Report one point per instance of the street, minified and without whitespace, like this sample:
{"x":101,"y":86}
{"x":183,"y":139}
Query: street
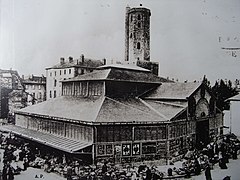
{"x":217,"y":173}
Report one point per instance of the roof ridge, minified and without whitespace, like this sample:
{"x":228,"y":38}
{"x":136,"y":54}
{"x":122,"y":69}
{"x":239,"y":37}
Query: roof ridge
{"x":171,"y":104}
{"x":153,"y":109}
{"x":128,"y":105}
{"x":100,"y":107}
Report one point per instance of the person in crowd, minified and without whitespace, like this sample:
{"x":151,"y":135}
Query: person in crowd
{"x":25,"y":163}
{"x":148,"y":174}
{"x":104,"y":167}
{"x":197,"y":168}
{"x":222,"y":162}
{"x":208,"y":172}
{"x":69,"y":172}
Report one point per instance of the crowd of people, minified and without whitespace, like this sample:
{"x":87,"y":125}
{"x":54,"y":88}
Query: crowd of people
{"x":18,"y":156}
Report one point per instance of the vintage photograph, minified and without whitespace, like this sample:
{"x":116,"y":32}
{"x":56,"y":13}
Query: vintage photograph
{"x":119,"y":90}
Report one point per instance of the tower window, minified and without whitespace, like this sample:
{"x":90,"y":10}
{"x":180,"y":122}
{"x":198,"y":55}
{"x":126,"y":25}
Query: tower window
{"x":131,"y":35}
{"x":139,"y":24}
{"x":139,"y":17}
{"x":138,"y":45}
{"x":131,"y":18}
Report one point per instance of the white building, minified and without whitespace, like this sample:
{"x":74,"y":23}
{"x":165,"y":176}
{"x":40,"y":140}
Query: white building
{"x":35,"y":87}
{"x":66,"y":70}
{"x":232,"y":118}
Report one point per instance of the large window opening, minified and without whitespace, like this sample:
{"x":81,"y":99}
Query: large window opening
{"x":138,"y":45}
{"x":139,"y":25}
{"x":139,"y":17}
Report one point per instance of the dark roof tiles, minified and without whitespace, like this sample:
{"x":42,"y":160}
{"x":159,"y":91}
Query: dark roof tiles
{"x":173,"y":91}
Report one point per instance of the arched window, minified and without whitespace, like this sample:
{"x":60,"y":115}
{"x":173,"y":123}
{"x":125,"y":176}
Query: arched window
{"x":139,"y":17}
{"x":138,"y":45}
{"x":139,"y":25}
{"x":131,"y":35}
{"x":202,"y":107}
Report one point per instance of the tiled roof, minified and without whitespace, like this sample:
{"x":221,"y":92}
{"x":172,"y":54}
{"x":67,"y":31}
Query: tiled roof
{"x":65,"y":144}
{"x":116,"y":111}
{"x":75,"y":108}
{"x":168,"y":110}
{"x":121,"y":66}
{"x":173,"y":91}
{"x":88,"y":63}
{"x":119,"y":74}
{"x":95,"y":75}
{"x":104,"y":110}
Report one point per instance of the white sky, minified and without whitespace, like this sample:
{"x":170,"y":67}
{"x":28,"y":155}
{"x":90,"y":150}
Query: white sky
{"x":34,"y":34}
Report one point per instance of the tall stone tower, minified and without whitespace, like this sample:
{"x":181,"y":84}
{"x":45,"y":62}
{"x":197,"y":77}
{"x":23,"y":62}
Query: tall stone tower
{"x":137,"y":35}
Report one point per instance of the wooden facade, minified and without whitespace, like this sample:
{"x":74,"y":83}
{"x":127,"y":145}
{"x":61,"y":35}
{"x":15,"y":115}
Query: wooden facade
{"x":153,"y":128}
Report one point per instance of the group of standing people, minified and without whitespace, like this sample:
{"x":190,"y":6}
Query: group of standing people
{"x":13,"y":152}
{"x":195,"y":161}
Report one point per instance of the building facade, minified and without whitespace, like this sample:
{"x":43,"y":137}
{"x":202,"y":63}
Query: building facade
{"x":232,"y":116}
{"x":124,"y":115}
{"x":67,"y":69}
{"x":35,"y":88}
{"x":12,"y":94}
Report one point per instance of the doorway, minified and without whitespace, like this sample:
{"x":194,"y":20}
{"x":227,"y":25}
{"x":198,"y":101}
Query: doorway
{"x":202,"y":133}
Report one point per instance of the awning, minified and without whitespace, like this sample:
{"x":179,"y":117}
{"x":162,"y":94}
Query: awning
{"x":61,"y":143}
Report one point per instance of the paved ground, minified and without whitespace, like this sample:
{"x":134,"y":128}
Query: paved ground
{"x":35,"y":174}
{"x":32,"y":173}
{"x":217,"y":173}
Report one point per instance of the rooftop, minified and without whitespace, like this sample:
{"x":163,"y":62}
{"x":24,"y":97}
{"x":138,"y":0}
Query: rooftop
{"x":173,"y":91}
{"x":87,"y":63}
{"x":120,"y":73}
{"x":104,"y":110}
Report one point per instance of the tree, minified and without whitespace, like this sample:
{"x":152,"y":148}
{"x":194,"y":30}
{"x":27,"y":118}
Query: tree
{"x":223,"y":91}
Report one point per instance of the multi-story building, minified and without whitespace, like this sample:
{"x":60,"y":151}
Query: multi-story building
{"x":35,"y":88}
{"x":12,"y":95}
{"x":67,"y":69}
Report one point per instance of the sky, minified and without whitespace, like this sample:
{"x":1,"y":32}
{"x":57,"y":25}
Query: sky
{"x":187,"y":36}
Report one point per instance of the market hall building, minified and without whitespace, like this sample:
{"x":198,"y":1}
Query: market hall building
{"x":122,"y":114}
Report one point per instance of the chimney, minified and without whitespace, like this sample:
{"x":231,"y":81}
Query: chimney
{"x":104,"y":61}
{"x":22,"y":76}
{"x":70,"y":59}
{"x":62,"y":61}
{"x":82,"y":58}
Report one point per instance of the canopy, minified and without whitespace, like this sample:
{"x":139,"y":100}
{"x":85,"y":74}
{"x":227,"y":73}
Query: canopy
{"x":61,"y":143}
